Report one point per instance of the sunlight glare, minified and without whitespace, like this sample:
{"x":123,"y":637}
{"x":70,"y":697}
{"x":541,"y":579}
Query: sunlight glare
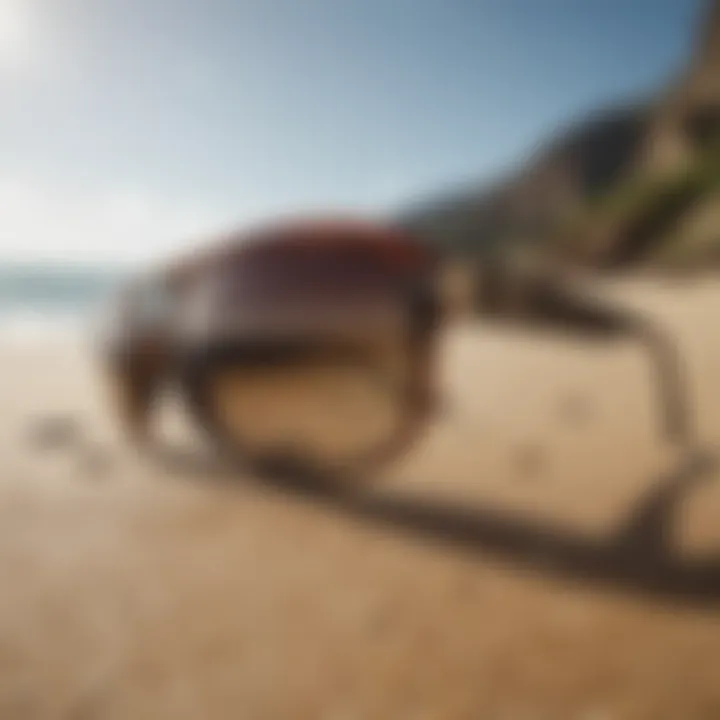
{"x":15,"y":34}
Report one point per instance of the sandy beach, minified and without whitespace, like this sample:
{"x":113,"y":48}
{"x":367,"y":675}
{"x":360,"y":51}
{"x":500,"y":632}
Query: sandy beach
{"x":544,"y":553}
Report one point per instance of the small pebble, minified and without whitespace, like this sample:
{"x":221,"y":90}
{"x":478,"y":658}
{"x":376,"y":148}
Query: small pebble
{"x":530,"y":459}
{"x":576,"y":408}
{"x":51,"y":433}
{"x":96,"y":461}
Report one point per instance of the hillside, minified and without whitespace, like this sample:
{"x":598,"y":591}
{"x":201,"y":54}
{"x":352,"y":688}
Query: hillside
{"x":619,"y":188}
{"x":585,"y":162}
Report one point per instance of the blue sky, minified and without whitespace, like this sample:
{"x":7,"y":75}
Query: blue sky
{"x":129,"y":128}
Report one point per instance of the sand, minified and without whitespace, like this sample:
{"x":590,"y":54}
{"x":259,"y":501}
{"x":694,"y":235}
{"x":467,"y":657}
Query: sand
{"x":545,"y":553}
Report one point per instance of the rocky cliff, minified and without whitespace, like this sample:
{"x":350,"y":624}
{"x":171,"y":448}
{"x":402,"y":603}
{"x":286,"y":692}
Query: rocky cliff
{"x":611,"y":188}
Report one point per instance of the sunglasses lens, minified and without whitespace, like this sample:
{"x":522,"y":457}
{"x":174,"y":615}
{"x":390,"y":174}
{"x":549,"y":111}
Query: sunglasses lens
{"x":321,"y":361}
{"x":332,"y":408}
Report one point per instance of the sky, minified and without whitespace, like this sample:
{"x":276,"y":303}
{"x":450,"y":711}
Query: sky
{"x":132,"y":128}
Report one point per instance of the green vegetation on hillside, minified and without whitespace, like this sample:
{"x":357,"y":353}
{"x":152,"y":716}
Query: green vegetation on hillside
{"x":639,"y":220}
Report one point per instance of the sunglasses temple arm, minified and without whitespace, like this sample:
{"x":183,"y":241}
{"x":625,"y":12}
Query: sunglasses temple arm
{"x":670,"y":380}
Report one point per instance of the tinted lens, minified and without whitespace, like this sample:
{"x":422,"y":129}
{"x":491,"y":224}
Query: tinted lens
{"x":309,"y":350}
{"x":334,"y":407}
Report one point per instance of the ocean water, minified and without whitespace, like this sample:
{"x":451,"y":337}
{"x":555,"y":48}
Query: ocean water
{"x":40,"y":301}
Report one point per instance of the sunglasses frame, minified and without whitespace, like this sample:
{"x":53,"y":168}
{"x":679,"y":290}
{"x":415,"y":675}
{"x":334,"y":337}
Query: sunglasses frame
{"x":148,"y":351}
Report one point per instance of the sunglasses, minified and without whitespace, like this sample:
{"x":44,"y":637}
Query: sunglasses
{"x":315,"y":345}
